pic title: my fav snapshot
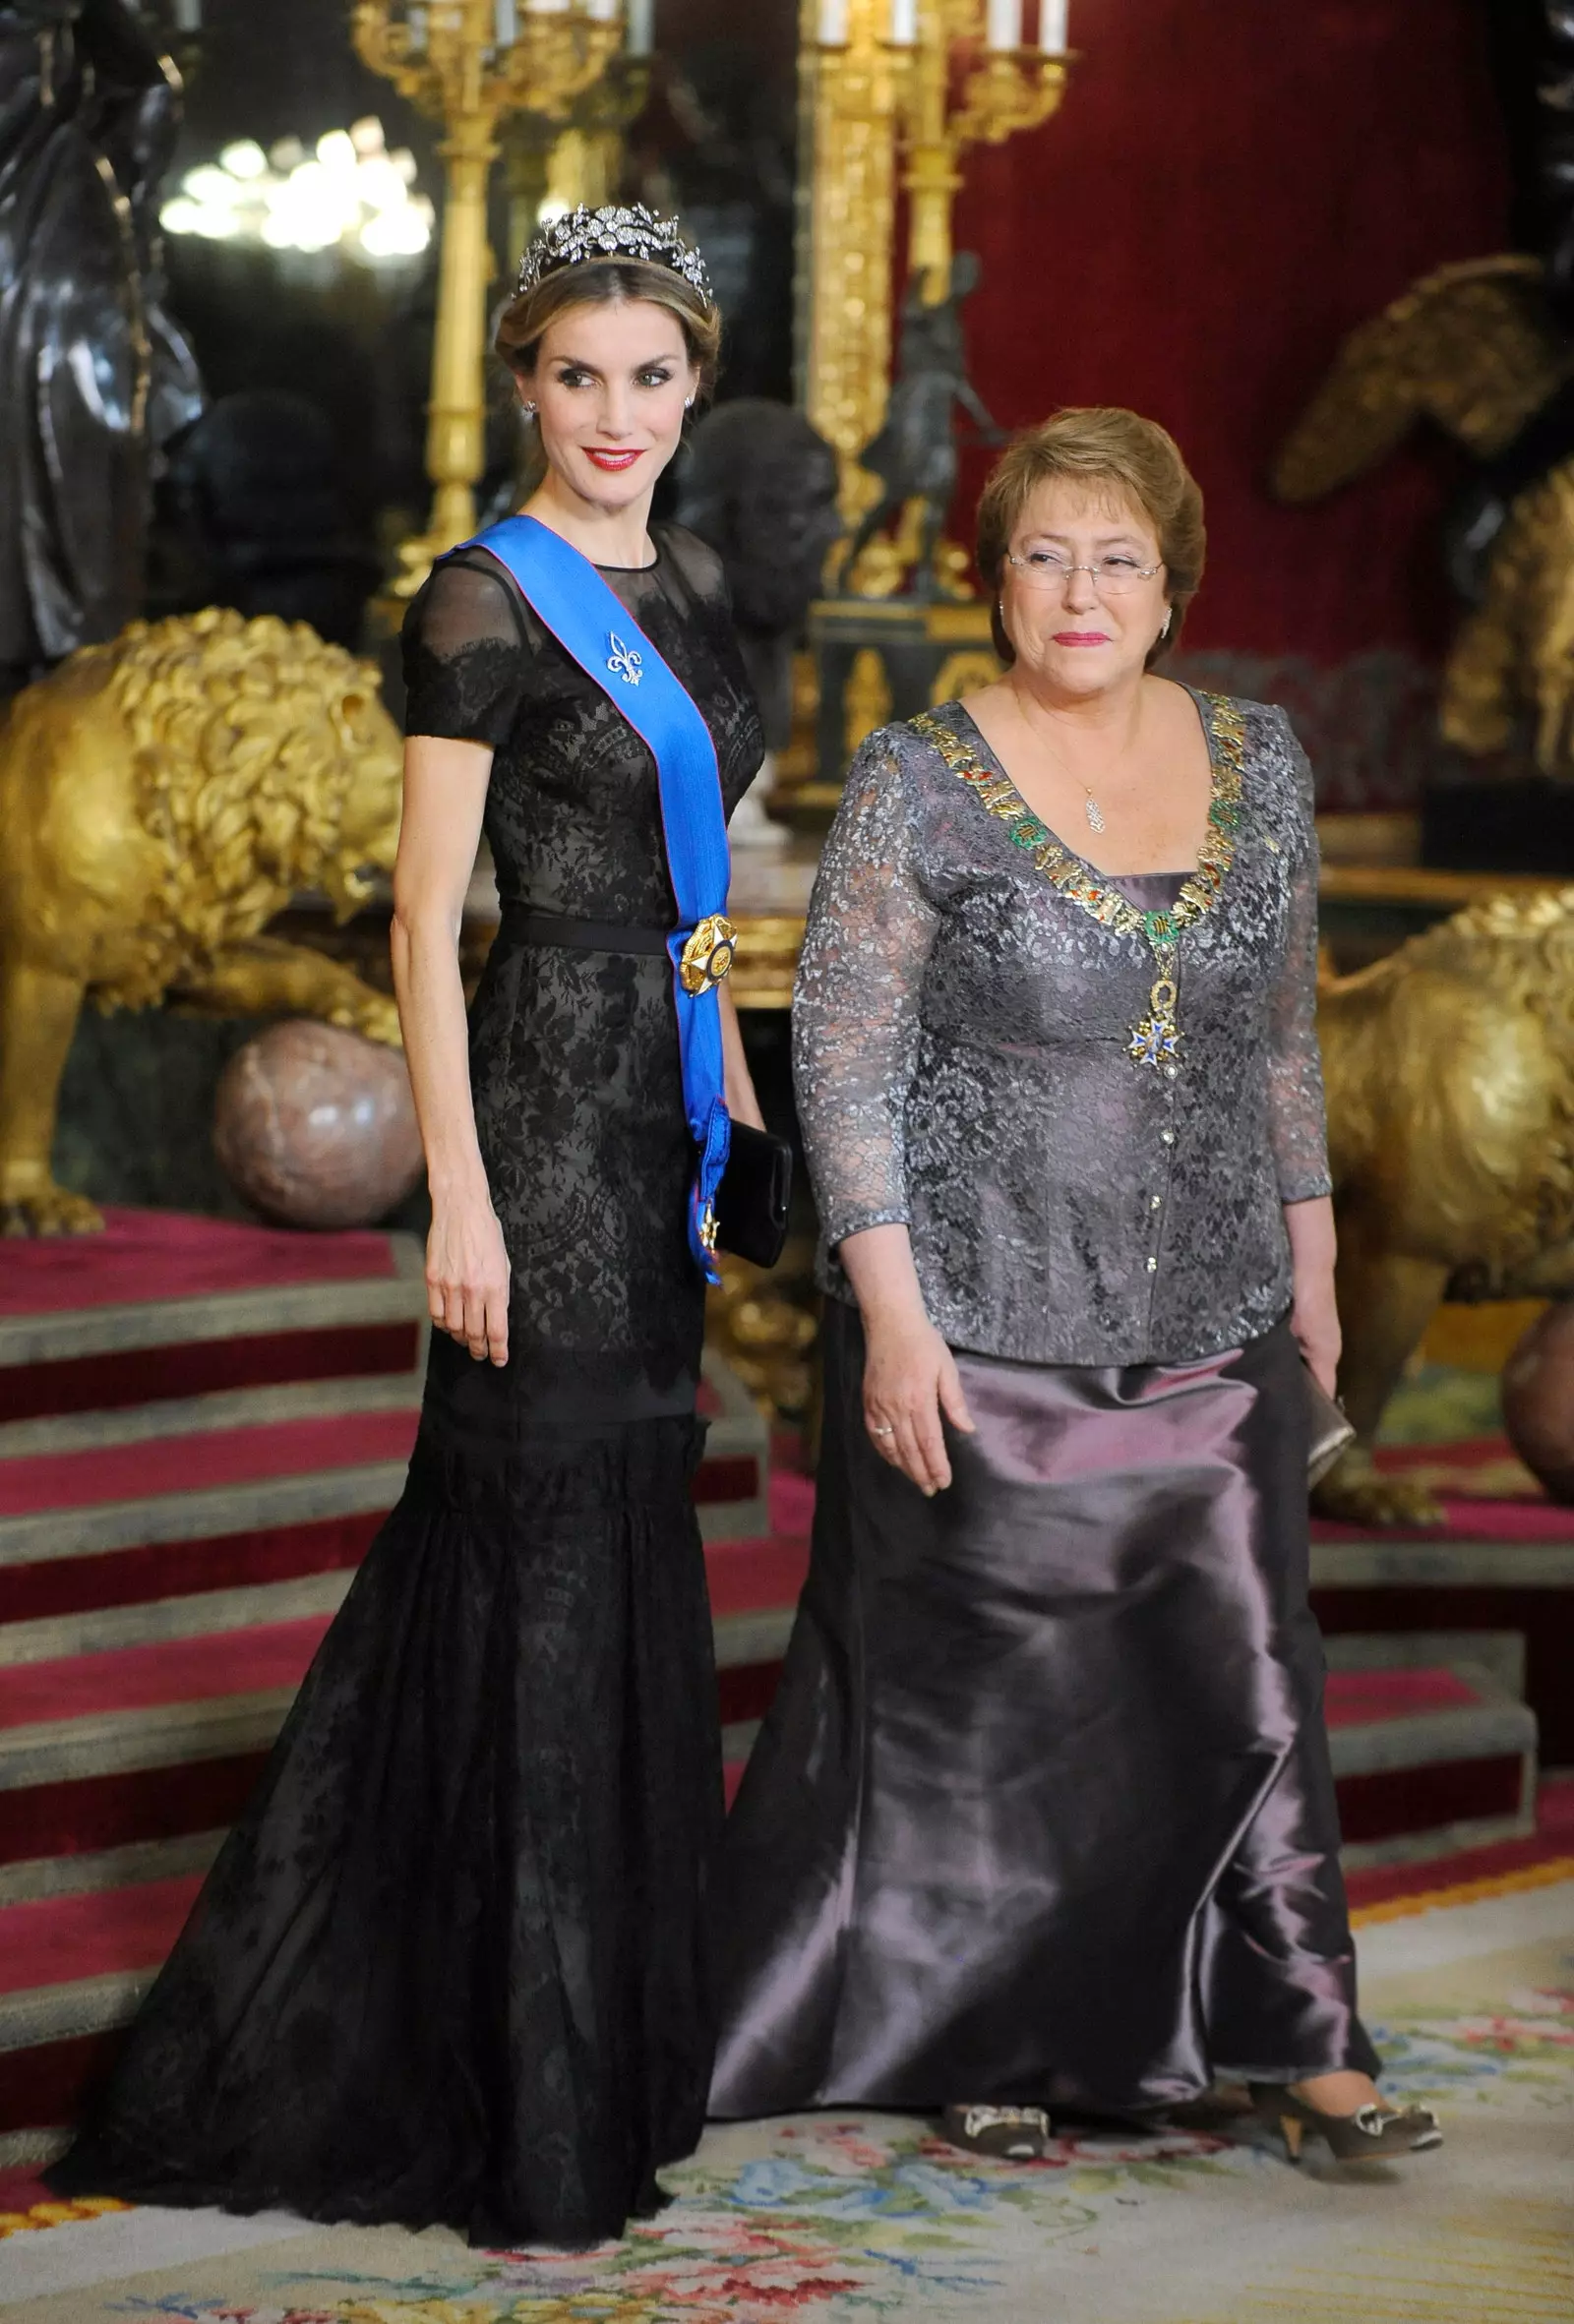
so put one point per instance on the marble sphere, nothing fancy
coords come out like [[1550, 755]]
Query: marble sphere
[[316, 1127], [1538, 1391]]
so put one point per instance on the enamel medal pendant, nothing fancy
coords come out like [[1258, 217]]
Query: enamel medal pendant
[[1156, 1039]]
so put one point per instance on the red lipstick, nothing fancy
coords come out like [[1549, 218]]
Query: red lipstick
[[613, 462]]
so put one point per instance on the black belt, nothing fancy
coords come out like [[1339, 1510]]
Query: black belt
[[524, 926]]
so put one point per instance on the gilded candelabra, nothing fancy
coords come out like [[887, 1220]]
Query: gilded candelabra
[[469, 64], [926, 79], [963, 77], [553, 167]]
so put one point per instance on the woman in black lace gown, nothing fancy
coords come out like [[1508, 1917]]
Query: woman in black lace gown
[[449, 1966]]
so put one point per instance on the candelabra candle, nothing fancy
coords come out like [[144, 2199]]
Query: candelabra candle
[[470, 64], [833, 23], [641, 26], [904, 24], [1053, 27], [1005, 25]]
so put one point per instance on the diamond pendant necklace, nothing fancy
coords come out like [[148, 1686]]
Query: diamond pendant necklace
[[1093, 812]]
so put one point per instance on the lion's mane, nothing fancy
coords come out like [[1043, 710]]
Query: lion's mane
[[245, 737]]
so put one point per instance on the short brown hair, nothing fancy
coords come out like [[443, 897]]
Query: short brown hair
[[1099, 444], [525, 321]]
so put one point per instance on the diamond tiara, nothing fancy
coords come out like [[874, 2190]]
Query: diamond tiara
[[620, 231]]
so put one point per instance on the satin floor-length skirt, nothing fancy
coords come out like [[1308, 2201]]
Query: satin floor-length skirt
[[1043, 1812]]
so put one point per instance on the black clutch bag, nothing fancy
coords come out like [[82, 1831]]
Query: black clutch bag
[[1331, 1432], [753, 1195]]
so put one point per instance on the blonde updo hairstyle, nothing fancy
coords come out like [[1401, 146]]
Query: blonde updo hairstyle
[[606, 283], [1114, 454]]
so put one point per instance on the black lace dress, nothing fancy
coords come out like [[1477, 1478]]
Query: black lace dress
[[450, 1964]]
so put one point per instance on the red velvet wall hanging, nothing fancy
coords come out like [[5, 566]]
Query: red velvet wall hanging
[[1229, 188]]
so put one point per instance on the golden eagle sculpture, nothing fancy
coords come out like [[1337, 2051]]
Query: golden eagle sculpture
[[161, 799], [1480, 350], [1450, 1072]]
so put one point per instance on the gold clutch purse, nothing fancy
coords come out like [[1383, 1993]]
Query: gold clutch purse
[[1331, 1432]]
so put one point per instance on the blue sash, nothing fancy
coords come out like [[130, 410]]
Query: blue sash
[[593, 626]]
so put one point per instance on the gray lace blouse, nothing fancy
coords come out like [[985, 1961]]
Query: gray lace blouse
[[964, 1026]]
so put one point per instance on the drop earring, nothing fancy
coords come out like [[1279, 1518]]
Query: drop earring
[[1168, 616], [689, 404], [529, 411]]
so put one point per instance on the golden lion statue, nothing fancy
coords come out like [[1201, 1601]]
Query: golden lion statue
[[1450, 1071], [161, 798]]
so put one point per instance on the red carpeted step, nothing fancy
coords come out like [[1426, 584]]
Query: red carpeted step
[[62, 1939], [753, 1577], [1551, 1843], [202, 1462], [149, 1571], [110, 1382], [1354, 1697], [159, 1255], [164, 1305], [177, 1670]]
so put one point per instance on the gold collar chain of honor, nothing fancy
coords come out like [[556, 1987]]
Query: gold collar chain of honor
[[1156, 1038]]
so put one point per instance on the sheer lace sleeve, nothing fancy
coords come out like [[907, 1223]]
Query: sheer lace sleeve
[[1298, 1124], [466, 657], [856, 1006]]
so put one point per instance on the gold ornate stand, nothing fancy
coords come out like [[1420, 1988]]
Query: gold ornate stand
[[928, 95], [553, 168], [448, 58], [914, 82]]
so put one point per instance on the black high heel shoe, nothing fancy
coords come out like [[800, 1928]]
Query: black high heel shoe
[[1371, 2132], [1005, 2133]]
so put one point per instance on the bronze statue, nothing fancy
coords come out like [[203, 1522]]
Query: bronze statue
[[93, 374], [161, 798], [1450, 1070], [915, 454], [760, 484]]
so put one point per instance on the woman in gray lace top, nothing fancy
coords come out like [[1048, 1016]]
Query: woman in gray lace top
[[1043, 1814]]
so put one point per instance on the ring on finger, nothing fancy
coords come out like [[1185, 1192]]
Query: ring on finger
[[874, 1431]]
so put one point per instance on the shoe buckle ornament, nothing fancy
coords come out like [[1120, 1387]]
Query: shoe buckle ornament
[[980, 2118], [709, 954]]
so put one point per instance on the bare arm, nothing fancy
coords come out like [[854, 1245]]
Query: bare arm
[[742, 1103], [1314, 1317], [466, 1264]]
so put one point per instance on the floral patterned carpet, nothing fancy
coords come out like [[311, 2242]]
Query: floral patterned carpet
[[847, 2216]]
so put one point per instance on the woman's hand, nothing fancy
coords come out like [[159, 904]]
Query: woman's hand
[[910, 1379], [467, 1276], [1314, 1315], [910, 1376]]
